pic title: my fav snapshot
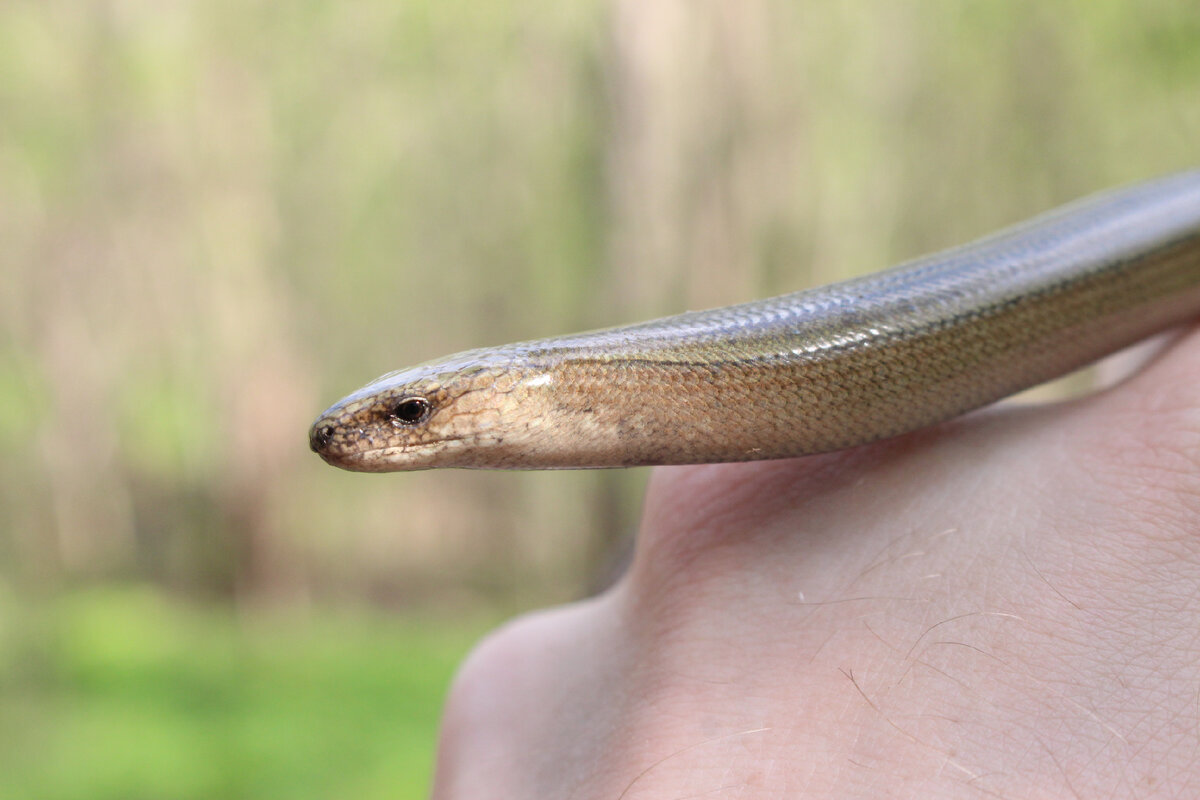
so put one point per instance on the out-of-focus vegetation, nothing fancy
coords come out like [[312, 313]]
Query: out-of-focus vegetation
[[125, 694], [218, 217]]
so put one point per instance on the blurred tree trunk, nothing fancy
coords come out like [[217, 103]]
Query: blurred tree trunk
[[694, 143]]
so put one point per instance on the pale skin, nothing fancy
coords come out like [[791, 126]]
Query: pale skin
[[1004, 606]]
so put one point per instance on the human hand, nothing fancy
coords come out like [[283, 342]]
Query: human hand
[[1002, 606]]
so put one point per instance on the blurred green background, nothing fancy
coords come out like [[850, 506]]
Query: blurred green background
[[218, 217]]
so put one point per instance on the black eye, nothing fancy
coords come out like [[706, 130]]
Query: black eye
[[411, 411]]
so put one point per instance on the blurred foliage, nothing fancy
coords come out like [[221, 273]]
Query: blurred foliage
[[219, 217], [119, 695]]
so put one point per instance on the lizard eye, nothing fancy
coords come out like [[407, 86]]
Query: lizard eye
[[411, 411]]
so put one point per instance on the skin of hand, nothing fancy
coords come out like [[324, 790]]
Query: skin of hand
[[1002, 606]]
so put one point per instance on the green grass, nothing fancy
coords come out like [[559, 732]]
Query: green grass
[[125, 694]]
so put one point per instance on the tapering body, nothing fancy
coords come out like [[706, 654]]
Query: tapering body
[[808, 372]]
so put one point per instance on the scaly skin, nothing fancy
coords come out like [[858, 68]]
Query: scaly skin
[[804, 373]]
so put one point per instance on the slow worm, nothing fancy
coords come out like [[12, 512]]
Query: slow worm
[[804, 373]]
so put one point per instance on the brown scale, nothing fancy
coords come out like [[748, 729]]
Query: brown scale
[[805, 373]]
